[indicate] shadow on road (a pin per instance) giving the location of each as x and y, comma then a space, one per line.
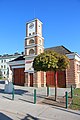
30, 117
16, 91
60, 102
4, 117
2, 82
26, 100
20, 92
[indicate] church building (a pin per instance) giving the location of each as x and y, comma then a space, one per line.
23, 72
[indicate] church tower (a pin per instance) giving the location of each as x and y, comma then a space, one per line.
34, 45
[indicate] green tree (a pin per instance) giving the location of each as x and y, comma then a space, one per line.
51, 61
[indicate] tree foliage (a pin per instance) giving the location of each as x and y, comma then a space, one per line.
50, 61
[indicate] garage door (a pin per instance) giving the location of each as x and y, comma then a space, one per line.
50, 78
19, 76
61, 82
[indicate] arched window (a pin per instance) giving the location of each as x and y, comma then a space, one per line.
31, 41
31, 51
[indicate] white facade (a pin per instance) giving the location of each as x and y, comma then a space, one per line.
4, 67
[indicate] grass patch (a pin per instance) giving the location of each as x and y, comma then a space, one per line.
75, 105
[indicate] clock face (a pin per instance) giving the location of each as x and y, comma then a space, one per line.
31, 28
31, 25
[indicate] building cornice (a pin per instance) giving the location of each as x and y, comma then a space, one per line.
33, 45
31, 36
33, 21
20, 62
30, 56
29, 71
18, 66
73, 56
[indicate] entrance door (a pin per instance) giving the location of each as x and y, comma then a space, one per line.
31, 79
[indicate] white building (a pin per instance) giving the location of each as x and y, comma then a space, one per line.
4, 67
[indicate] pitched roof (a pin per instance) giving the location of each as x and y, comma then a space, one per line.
60, 49
18, 58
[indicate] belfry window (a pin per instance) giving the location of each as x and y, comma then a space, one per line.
31, 52
31, 41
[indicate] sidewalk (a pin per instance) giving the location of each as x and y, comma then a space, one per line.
23, 93
22, 107
14, 110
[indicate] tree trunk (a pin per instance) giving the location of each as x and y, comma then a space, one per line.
55, 79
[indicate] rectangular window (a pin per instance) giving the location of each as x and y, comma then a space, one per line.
1, 61
1, 66
78, 67
4, 66
4, 60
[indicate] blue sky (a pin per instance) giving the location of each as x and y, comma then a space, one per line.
61, 23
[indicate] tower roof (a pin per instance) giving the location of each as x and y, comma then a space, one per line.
34, 20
